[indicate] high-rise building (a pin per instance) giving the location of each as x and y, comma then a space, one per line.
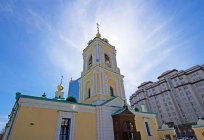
177, 96
74, 89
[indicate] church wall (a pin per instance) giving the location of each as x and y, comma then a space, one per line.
199, 132
140, 126
115, 82
99, 85
35, 124
105, 123
107, 49
85, 126
84, 88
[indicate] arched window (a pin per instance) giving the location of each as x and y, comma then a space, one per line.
88, 90
111, 91
107, 60
89, 93
90, 61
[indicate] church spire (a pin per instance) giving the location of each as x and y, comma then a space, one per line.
98, 34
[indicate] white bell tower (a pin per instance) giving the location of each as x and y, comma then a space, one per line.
101, 78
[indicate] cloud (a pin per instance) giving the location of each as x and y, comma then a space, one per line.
38, 20
142, 43
142, 46
68, 41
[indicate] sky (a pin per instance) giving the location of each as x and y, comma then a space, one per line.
42, 40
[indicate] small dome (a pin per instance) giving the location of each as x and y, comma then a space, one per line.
60, 87
98, 35
90, 41
106, 40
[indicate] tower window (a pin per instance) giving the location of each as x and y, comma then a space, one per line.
107, 60
65, 129
89, 93
90, 61
111, 91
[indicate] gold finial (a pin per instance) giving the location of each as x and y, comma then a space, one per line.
98, 34
60, 87
97, 27
61, 79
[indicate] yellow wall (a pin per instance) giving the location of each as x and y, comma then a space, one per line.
198, 131
45, 125
45, 122
163, 133
140, 126
85, 126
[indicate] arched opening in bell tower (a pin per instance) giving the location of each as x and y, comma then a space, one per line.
89, 61
88, 90
107, 60
112, 87
89, 93
111, 91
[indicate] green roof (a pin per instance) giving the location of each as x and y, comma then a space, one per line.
118, 111
19, 95
108, 101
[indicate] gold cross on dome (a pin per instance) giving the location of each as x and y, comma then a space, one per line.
97, 27
61, 79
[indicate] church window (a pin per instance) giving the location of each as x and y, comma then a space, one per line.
90, 61
65, 129
107, 60
111, 91
89, 93
148, 129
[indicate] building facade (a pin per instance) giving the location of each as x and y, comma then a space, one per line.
101, 112
73, 90
177, 96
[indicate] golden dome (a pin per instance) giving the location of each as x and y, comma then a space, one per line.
60, 87
98, 35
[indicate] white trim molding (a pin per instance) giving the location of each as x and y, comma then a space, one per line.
70, 115
146, 120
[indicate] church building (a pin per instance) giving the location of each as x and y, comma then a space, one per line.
100, 113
